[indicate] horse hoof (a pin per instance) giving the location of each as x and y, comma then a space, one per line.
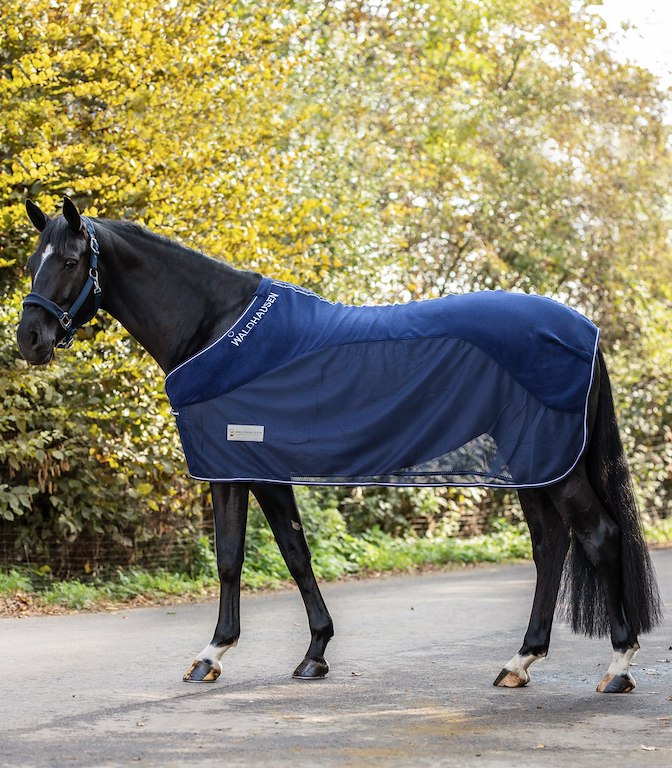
202, 671
311, 669
509, 679
616, 683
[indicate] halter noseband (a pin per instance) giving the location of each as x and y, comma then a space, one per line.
65, 317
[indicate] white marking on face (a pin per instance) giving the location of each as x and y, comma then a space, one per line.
48, 250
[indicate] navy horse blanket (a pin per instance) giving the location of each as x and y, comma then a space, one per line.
485, 388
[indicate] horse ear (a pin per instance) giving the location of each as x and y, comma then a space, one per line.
72, 215
36, 215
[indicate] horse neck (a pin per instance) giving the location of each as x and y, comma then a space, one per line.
172, 300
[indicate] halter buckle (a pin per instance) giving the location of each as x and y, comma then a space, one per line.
65, 320
66, 342
93, 274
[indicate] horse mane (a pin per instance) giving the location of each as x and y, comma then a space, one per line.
128, 228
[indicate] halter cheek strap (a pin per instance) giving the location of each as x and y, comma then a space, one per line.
66, 317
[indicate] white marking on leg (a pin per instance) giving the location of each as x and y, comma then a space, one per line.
519, 664
621, 660
49, 249
214, 653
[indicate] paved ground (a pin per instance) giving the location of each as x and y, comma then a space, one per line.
411, 684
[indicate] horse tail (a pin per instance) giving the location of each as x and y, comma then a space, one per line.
584, 604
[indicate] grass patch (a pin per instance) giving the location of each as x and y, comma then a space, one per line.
343, 554
339, 555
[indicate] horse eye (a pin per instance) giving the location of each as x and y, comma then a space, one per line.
70, 264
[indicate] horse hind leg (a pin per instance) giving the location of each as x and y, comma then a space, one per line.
279, 505
550, 541
595, 577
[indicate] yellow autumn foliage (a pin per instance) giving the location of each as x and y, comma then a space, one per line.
170, 114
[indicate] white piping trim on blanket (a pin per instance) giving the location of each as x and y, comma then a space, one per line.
325, 484
214, 343
279, 283
295, 288
302, 291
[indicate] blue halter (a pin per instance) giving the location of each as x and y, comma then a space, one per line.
66, 317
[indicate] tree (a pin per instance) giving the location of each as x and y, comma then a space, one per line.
376, 150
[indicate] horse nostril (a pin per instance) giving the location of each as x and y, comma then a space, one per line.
34, 339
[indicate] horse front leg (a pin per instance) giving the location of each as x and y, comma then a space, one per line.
279, 506
229, 501
550, 542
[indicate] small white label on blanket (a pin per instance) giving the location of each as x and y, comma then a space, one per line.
248, 433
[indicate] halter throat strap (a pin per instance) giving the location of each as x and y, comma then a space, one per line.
66, 317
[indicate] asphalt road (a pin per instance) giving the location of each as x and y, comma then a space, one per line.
413, 662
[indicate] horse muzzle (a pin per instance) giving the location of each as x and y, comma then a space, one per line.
36, 340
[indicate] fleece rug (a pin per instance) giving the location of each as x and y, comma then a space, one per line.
487, 388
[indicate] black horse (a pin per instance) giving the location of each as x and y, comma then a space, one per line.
176, 302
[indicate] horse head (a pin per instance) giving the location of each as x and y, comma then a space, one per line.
63, 272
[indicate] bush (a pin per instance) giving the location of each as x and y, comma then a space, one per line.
91, 470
